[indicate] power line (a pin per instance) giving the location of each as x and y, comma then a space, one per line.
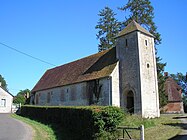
28, 55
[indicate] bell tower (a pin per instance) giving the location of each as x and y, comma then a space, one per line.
137, 71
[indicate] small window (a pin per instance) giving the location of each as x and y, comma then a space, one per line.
146, 43
48, 97
37, 98
3, 103
148, 65
126, 42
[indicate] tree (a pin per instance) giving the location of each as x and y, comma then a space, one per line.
142, 12
108, 27
163, 99
181, 81
21, 97
3, 83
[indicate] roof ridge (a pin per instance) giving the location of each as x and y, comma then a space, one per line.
131, 27
102, 52
6, 91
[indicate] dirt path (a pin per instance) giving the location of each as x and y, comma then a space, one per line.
12, 129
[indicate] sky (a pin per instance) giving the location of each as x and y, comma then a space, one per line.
61, 31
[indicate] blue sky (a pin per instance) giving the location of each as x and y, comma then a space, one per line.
61, 31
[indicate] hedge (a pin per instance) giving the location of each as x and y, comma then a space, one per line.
90, 122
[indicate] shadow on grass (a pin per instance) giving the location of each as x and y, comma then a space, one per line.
181, 125
60, 133
180, 117
179, 137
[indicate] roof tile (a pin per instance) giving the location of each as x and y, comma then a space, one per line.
92, 67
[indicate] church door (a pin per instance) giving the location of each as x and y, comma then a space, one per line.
130, 102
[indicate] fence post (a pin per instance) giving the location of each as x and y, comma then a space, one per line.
142, 132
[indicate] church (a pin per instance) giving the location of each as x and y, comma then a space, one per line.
123, 76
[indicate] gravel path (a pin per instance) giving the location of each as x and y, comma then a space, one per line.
12, 129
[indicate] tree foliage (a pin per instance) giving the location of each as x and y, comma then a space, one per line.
143, 13
108, 27
181, 80
21, 96
163, 98
3, 83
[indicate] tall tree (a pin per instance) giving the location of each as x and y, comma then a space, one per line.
21, 97
108, 27
181, 80
3, 83
143, 12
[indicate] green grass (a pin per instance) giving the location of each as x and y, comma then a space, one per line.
41, 131
161, 128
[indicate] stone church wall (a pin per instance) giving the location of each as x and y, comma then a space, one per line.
127, 53
79, 94
149, 88
115, 86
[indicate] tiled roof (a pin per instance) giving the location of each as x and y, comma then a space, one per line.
133, 26
92, 67
173, 90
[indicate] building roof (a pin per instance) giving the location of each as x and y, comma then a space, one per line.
6, 91
173, 90
89, 68
131, 27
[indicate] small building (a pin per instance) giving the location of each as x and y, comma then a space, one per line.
6, 100
174, 93
123, 76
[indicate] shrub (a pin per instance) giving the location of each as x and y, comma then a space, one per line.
90, 122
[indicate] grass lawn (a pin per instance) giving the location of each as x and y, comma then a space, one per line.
41, 131
162, 128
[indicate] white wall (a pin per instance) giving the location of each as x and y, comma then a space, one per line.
5, 101
148, 75
115, 86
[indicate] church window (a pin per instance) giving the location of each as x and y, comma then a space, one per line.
146, 43
126, 42
37, 98
148, 65
48, 97
62, 96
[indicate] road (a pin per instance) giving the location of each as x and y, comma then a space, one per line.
12, 129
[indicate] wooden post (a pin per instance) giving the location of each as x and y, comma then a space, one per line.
142, 132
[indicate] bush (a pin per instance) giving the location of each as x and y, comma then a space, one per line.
91, 122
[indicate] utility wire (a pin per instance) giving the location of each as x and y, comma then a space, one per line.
28, 55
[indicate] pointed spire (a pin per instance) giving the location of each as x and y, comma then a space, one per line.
133, 26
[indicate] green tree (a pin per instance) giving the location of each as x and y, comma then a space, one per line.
163, 98
21, 97
3, 83
108, 27
143, 12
